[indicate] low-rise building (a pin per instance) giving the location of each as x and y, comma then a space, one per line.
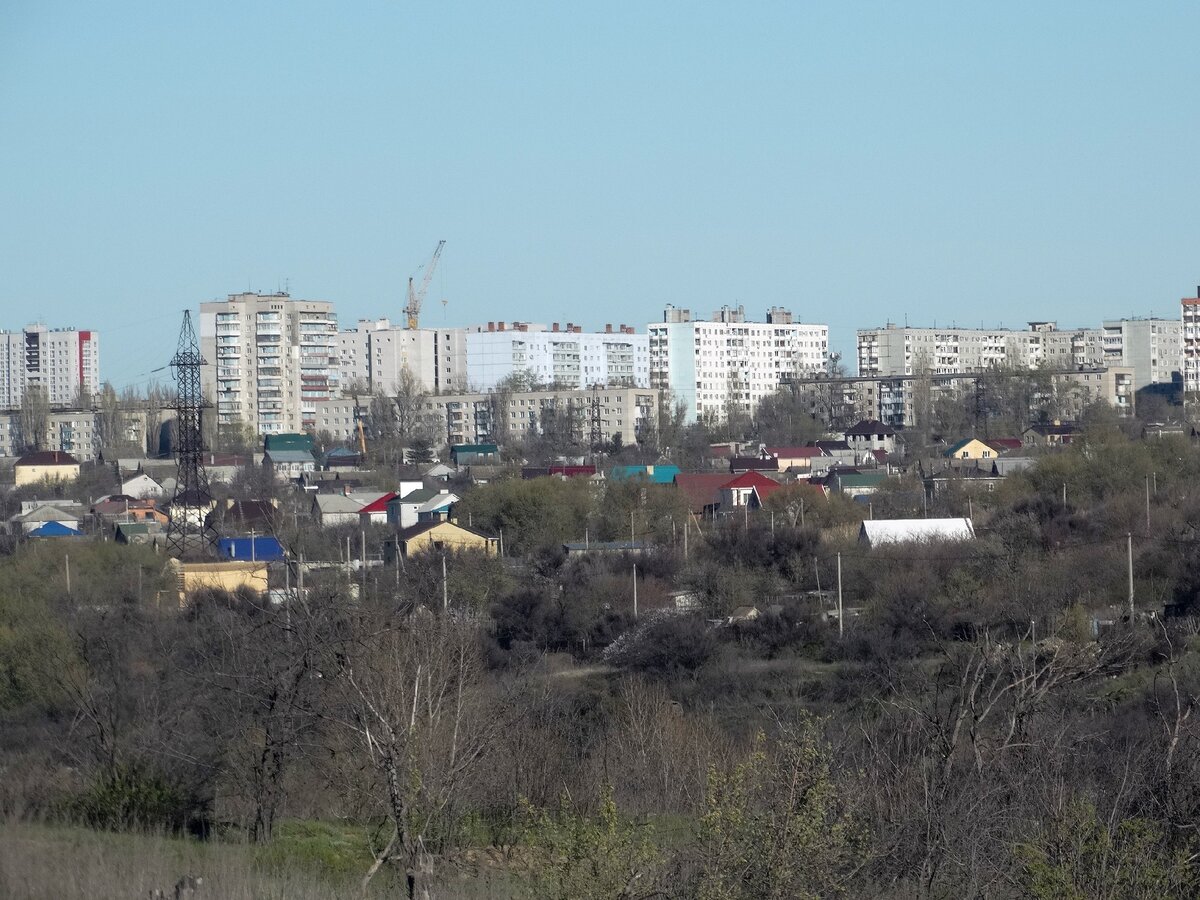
439, 535
46, 465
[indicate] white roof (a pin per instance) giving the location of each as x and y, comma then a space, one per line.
338, 503
897, 531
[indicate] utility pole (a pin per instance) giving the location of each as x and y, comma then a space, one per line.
362, 551
1147, 506
772, 523
635, 592
67, 566
802, 525
445, 586
1129, 540
686, 527
841, 613
502, 543
631, 537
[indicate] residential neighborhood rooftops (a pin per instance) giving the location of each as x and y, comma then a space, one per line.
289, 456
656, 474
701, 489
750, 480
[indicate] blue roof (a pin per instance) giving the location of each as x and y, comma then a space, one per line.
654, 474
55, 529
264, 549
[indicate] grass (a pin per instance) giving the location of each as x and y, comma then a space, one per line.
307, 861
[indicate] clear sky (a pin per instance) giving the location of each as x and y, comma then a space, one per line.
857, 162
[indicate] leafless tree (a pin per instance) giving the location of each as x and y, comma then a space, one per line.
35, 417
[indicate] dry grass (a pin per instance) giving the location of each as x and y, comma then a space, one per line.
42, 862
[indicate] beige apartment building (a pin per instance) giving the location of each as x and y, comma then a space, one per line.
270, 358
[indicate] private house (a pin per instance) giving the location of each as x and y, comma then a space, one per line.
1007, 465
795, 459
746, 489
122, 508
562, 472
340, 509
341, 458
244, 515
45, 465
656, 474
142, 486
289, 464
857, 484
975, 476
222, 576
137, 532
474, 454
54, 530
702, 490
440, 534
254, 547
870, 435
418, 506
376, 512
762, 463
972, 449
30, 520
577, 548
1053, 434
880, 532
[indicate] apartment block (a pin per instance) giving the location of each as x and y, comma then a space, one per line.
728, 364
1153, 348
271, 360
375, 353
565, 357
74, 430
65, 361
1190, 346
604, 411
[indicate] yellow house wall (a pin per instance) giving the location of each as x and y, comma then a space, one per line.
34, 474
976, 450
221, 576
451, 537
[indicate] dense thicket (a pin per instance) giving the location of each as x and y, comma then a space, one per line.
989, 722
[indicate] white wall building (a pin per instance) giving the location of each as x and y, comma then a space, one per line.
1153, 348
711, 365
375, 353
1190, 346
563, 357
270, 359
63, 360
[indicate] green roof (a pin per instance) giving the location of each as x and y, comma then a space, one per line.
302, 442
861, 479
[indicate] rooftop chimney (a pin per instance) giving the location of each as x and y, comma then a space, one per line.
608, 328
491, 326
554, 327
501, 324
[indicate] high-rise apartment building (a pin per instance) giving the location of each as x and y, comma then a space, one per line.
1190, 346
64, 361
1153, 348
728, 363
270, 359
567, 357
375, 353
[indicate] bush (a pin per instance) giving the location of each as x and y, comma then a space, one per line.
130, 798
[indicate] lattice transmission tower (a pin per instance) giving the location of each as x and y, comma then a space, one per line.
189, 534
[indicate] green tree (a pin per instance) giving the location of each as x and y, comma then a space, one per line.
580, 857
776, 826
1079, 856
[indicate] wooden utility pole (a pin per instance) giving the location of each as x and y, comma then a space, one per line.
1147, 506
841, 612
1129, 544
67, 566
445, 586
635, 609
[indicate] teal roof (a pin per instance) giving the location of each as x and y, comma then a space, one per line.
953, 450
474, 448
654, 474
861, 479
289, 442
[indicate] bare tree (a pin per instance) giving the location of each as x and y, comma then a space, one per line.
411, 701
35, 417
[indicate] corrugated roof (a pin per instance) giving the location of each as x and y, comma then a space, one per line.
750, 480
47, 458
290, 456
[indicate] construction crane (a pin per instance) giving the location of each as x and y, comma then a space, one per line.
416, 296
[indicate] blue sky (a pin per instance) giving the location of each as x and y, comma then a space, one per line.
857, 162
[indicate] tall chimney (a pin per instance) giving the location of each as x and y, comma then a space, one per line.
608, 328
491, 326
501, 324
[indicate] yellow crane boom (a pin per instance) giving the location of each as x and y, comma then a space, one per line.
416, 296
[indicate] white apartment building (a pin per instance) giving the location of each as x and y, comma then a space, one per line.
603, 411
270, 360
711, 366
564, 357
63, 360
1190, 347
1153, 348
376, 352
